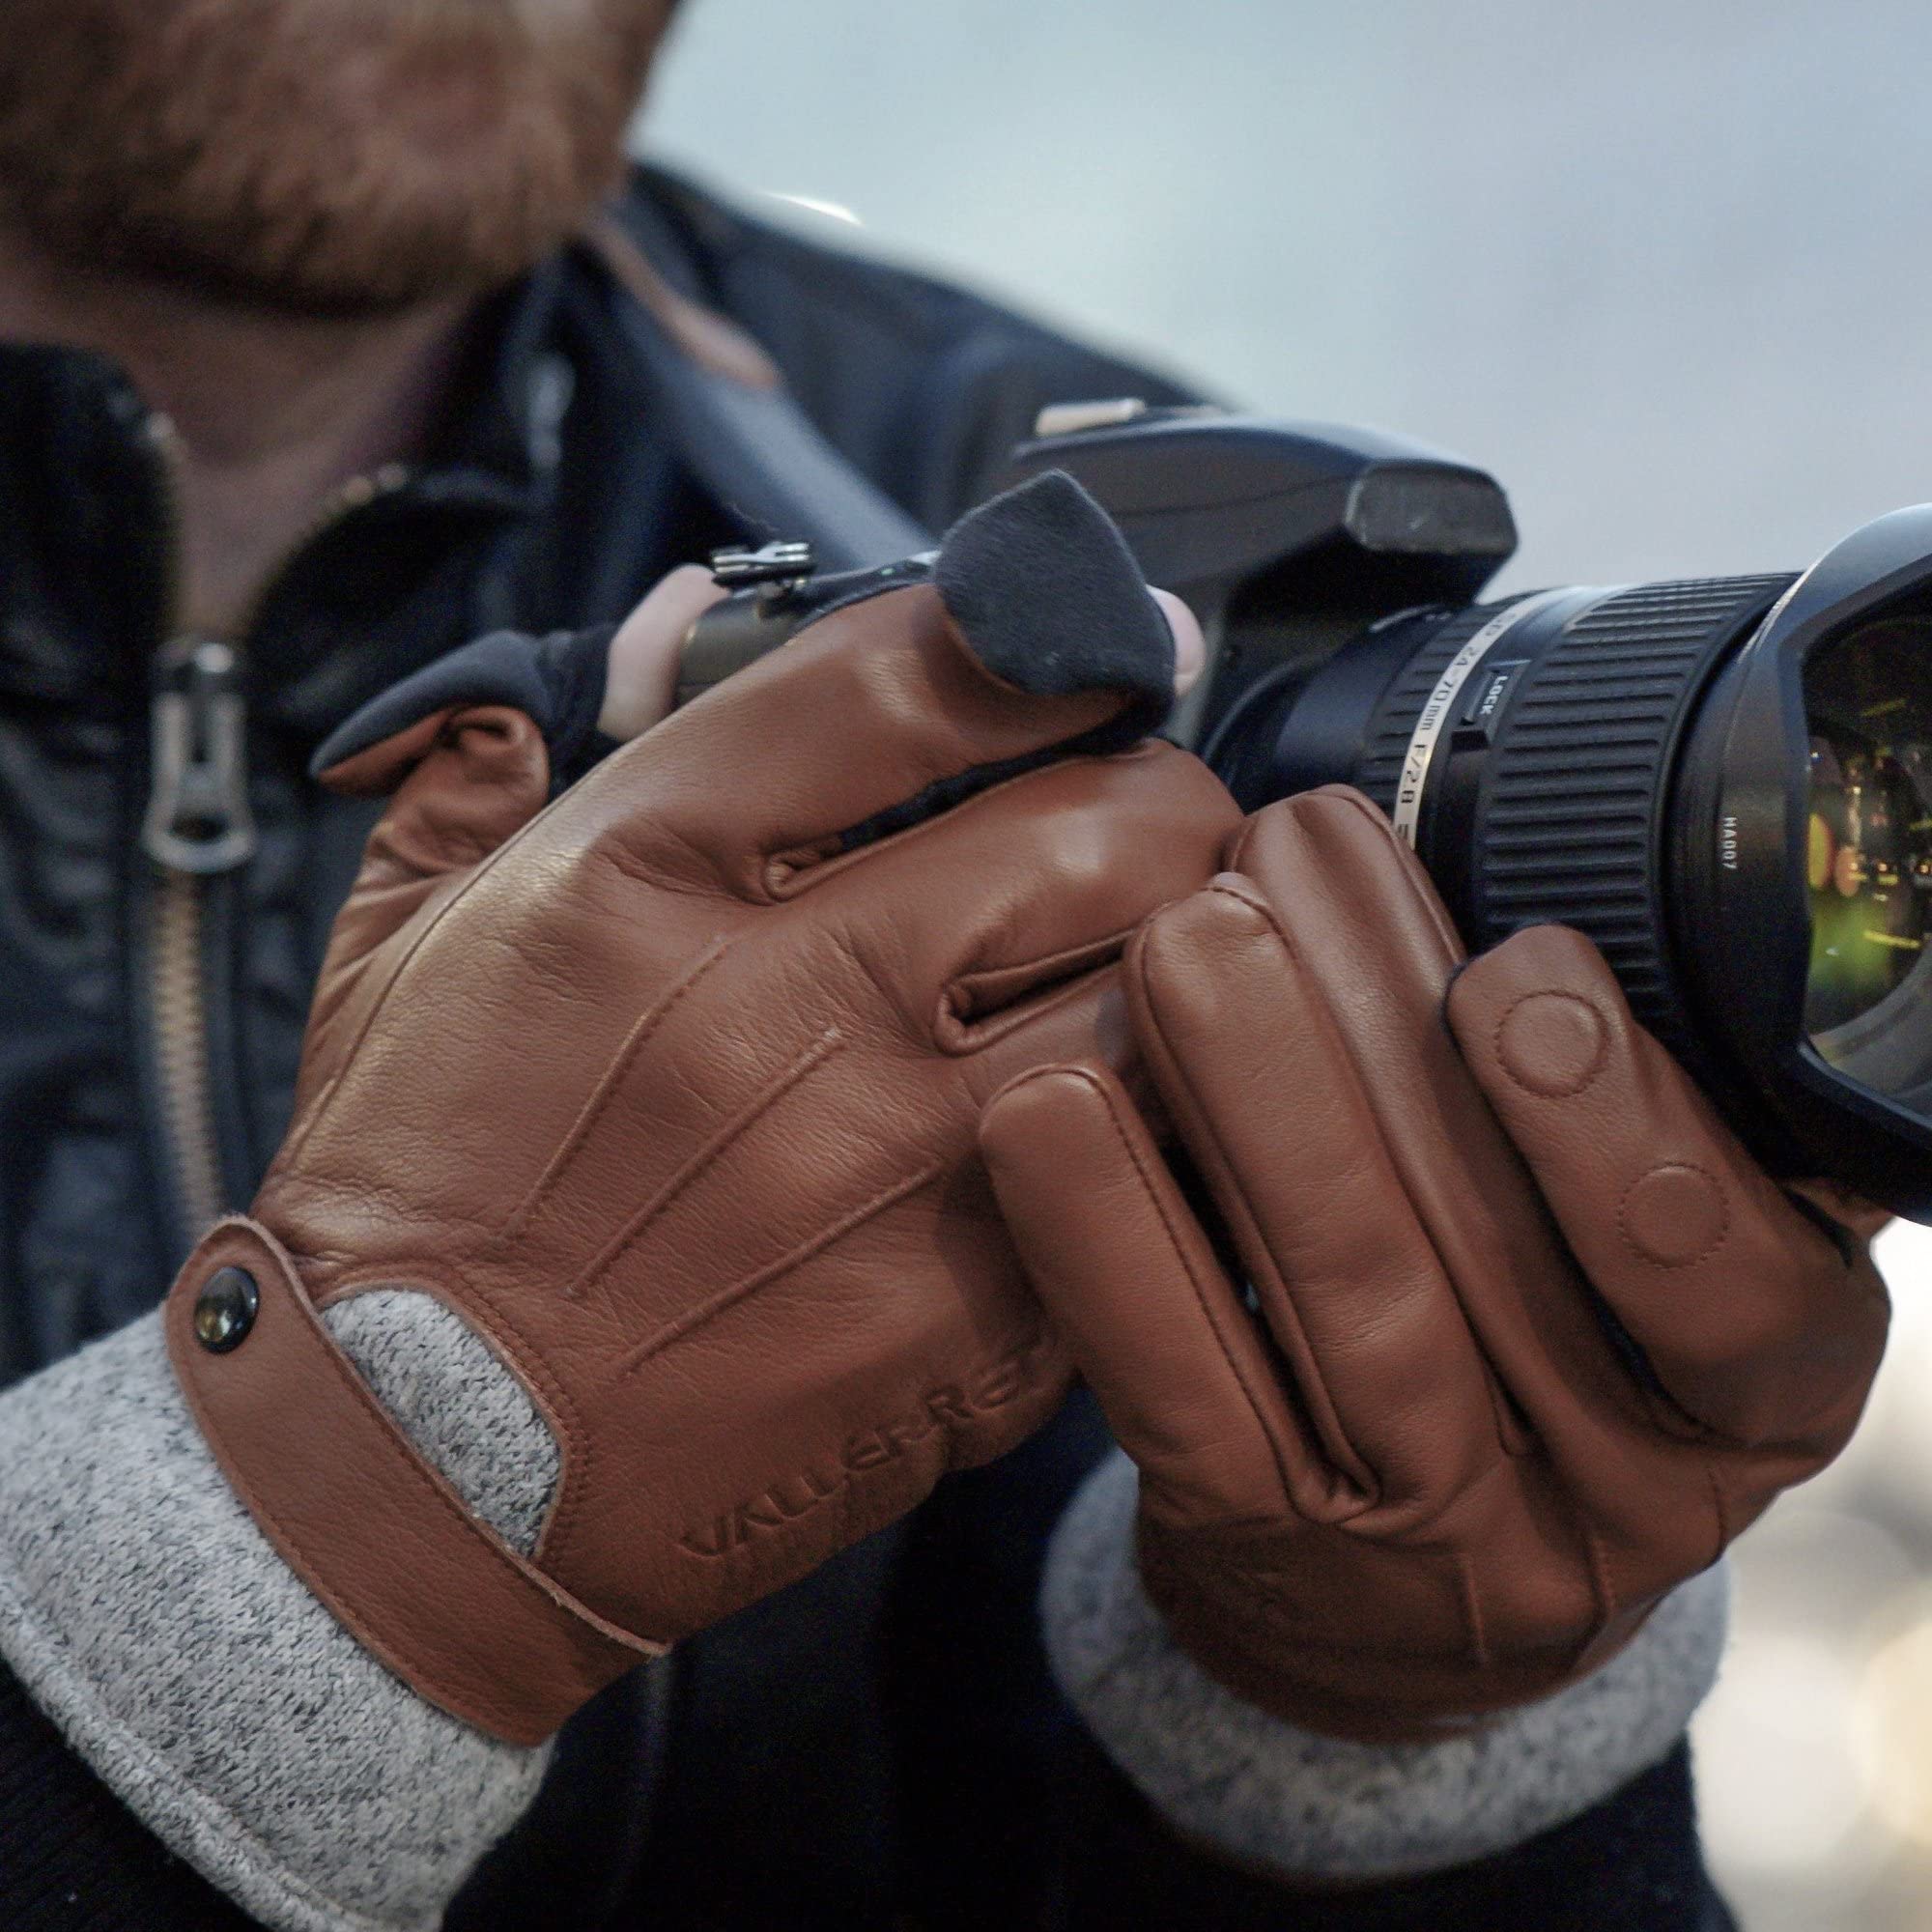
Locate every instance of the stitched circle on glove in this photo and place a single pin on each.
(1554, 1044)
(1676, 1214)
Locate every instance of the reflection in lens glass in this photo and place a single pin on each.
(1868, 853)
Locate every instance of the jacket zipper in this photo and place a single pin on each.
(198, 833)
(197, 827)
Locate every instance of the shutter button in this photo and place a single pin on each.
(224, 1311)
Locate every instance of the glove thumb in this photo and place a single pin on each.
(467, 747)
(466, 778)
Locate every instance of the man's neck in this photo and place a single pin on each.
(272, 414)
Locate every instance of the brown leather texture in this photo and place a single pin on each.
(299, 1389)
(674, 1098)
(1500, 1335)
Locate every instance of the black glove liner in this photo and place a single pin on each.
(557, 681)
(1040, 582)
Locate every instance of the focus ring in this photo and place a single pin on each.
(1385, 743)
(1569, 823)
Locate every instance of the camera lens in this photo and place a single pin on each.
(1726, 784)
(1868, 854)
(1525, 750)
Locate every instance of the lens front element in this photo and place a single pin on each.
(1868, 860)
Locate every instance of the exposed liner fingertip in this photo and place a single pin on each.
(1043, 587)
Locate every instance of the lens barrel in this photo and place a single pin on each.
(1635, 763)
(1726, 784)
(1755, 934)
(1525, 750)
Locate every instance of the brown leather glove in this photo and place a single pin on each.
(1526, 1338)
(672, 1096)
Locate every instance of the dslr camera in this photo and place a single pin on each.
(1725, 782)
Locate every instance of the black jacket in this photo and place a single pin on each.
(880, 1744)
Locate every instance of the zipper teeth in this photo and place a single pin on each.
(178, 1003)
(177, 1006)
(181, 1051)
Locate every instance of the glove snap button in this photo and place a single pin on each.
(225, 1309)
(1553, 1044)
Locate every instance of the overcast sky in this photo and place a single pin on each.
(1662, 265)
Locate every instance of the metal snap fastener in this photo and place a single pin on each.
(224, 1311)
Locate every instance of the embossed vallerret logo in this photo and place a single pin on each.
(870, 1449)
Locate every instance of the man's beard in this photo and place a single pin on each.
(322, 158)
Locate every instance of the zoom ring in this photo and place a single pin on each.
(1378, 769)
(1569, 824)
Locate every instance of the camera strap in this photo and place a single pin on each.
(731, 416)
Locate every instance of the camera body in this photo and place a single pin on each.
(1287, 540)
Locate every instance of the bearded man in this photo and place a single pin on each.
(310, 377)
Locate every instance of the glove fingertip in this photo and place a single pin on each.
(1023, 1116)
(1043, 589)
(556, 681)
(1555, 961)
(1178, 965)
(375, 770)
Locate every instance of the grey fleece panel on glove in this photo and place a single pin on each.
(1264, 1791)
(147, 1614)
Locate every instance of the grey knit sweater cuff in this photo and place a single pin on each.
(145, 1612)
(1228, 1775)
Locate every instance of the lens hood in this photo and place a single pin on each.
(1743, 916)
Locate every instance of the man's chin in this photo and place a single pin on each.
(317, 157)
(365, 269)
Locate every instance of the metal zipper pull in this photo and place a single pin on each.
(198, 818)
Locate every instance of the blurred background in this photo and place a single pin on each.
(1663, 269)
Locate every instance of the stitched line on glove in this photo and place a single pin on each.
(1427, 900)
(647, 1024)
(1472, 1610)
(1511, 1436)
(822, 1049)
(1260, 1408)
(979, 1006)
(1591, 1074)
(1704, 1254)
(484, 867)
(1602, 1583)
(1055, 759)
(479, 1538)
(1720, 1503)
(297, 1136)
(1305, 1372)
(695, 1318)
